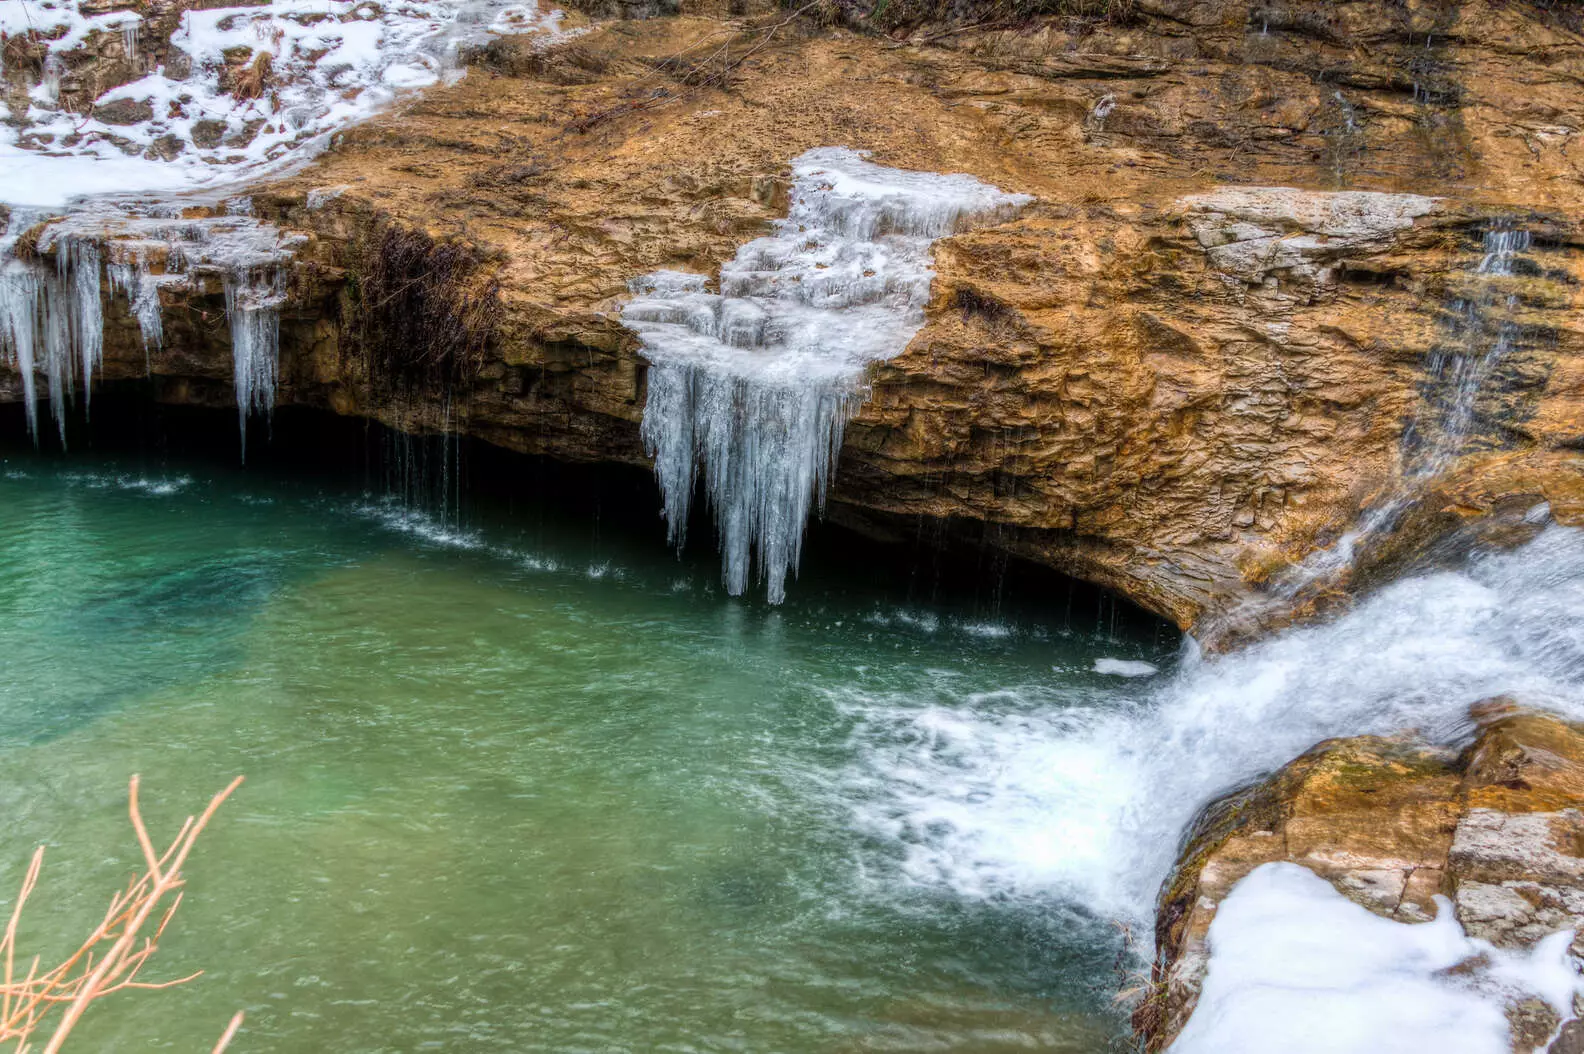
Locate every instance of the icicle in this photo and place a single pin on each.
(77, 262)
(751, 388)
(141, 288)
(51, 318)
(19, 300)
(129, 36)
(253, 299)
(54, 70)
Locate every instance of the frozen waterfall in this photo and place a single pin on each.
(750, 387)
(51, 315)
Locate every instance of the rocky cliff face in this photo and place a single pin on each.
(1221, 332)
(1495, 828)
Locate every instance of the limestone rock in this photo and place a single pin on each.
(1191, 364)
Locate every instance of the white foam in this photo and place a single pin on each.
(1296, 967)
(158, 487)
(393, 515)
(750, 387)
(1082, 794)
(1125, 668)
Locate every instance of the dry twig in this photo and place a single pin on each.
(114, 953)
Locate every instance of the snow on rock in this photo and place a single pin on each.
(750, 387)
(242, 89)
(1297, 967)
(1252, 232)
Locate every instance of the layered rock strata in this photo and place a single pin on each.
(1174, 374)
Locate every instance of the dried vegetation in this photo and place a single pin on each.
(37, 1002)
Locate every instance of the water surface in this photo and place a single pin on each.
(520, 782)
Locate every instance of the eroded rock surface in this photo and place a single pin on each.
(1192, 362)
(1497, 827)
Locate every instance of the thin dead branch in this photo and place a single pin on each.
(114, 953)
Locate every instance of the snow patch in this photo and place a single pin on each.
(330, 63)
(1297, 967)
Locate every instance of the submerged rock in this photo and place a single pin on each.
(1392, 825)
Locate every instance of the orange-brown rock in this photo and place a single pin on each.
(1497, 828)
(1170, 375)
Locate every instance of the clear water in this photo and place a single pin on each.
(532, 786)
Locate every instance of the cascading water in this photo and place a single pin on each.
(1024, 793)
(750, 388)
(1458, 371)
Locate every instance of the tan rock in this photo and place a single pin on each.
(1190, 364)
(1498, 828)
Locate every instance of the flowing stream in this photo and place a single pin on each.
(528, 783)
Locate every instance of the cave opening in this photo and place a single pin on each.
(466, 484)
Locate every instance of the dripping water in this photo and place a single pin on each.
(1458, 372)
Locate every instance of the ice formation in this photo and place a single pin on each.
(330, 63)
(51, 314)
(1297, 967)
(749, 388)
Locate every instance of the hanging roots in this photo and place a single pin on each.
(422, 317)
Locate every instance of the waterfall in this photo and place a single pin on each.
(1034, 792)
(749, 389)
(51, 317)
(1458, 372)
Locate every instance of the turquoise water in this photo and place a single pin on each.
(522, 782)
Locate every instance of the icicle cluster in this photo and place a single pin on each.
(253, 299)
(750, 388)
(51, 316)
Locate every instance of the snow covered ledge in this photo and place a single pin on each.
(1378, 895)
(1297, 967)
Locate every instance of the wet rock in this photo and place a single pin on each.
(1189, 366)
(207, 134)
(166, 148)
